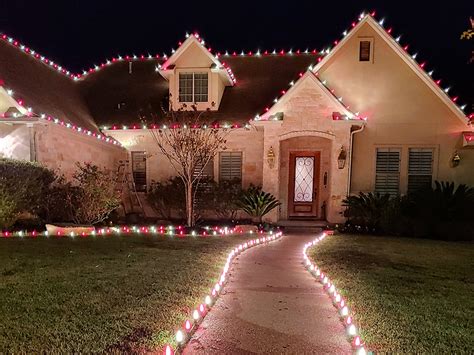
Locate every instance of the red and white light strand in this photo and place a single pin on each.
(223, 125)
(338, 301)
(256, 53)
(184, 334)
(31, 113)
(178, 231)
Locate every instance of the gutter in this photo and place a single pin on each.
(351, 144)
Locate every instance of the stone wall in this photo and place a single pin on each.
(61, 148)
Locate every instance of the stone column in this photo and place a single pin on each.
(271, 175)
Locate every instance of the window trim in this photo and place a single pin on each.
(193, 86)
(371, 50)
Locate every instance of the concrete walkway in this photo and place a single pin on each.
(271, 304)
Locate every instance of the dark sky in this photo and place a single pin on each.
(77, 34)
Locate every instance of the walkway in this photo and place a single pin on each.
(271, 304)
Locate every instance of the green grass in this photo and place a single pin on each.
(95, 294)
(407, 295)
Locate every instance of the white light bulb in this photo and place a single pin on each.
(208, 300)
(352, 330)
(344, 311)
(196, 315)
(179, 336)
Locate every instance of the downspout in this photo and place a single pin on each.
(351, 144)
(32, 135)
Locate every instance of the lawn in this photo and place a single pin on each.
(407, 295)
(96, 294)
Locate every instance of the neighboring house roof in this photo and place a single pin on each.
(45, 90)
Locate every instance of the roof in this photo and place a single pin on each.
(143, 92)
(45, 90)
(128, 90)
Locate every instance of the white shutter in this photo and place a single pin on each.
(420, 168)
(230, 165)
(387, 171)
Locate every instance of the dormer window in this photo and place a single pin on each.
(193, 87)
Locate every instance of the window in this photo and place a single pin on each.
(200, 87)
(208, 172)
(387, 171)
(139, 170)
(420, 168)
(185, 87)
(193, 87)
(230, 165)
(364, 50)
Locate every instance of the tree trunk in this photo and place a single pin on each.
(189, 205)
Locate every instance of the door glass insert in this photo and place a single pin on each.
(304, 174)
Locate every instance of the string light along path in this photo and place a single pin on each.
(271, 304)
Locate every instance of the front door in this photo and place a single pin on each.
(303, 184)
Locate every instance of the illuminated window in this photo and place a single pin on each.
(193, 87)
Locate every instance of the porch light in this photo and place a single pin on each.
(455, 160)
(271, 158)
(341, 159)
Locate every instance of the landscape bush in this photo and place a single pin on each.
(167, 198)
(257, 203)
(24, 186)
(92, 194)
(37, 192)
(439, 212)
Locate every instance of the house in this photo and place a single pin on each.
(309, 126)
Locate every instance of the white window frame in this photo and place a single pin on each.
(193, 86)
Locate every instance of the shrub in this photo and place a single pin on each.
(222, 198)
(442, 210)
(91, 195)
(8, 209)
(257, 203)
(366, 210)
(26, 182)
(24, 187)
(167, 198)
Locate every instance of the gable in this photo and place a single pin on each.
(392, 87)
(193, 57)
(308, 96)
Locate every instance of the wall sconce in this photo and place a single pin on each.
(341, 159)
(455, 160)
(271, 158)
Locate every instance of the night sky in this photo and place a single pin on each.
(78, 34)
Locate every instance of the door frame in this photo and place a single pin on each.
(315, 213)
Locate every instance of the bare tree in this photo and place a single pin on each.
(189, 144)
(468, 35)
